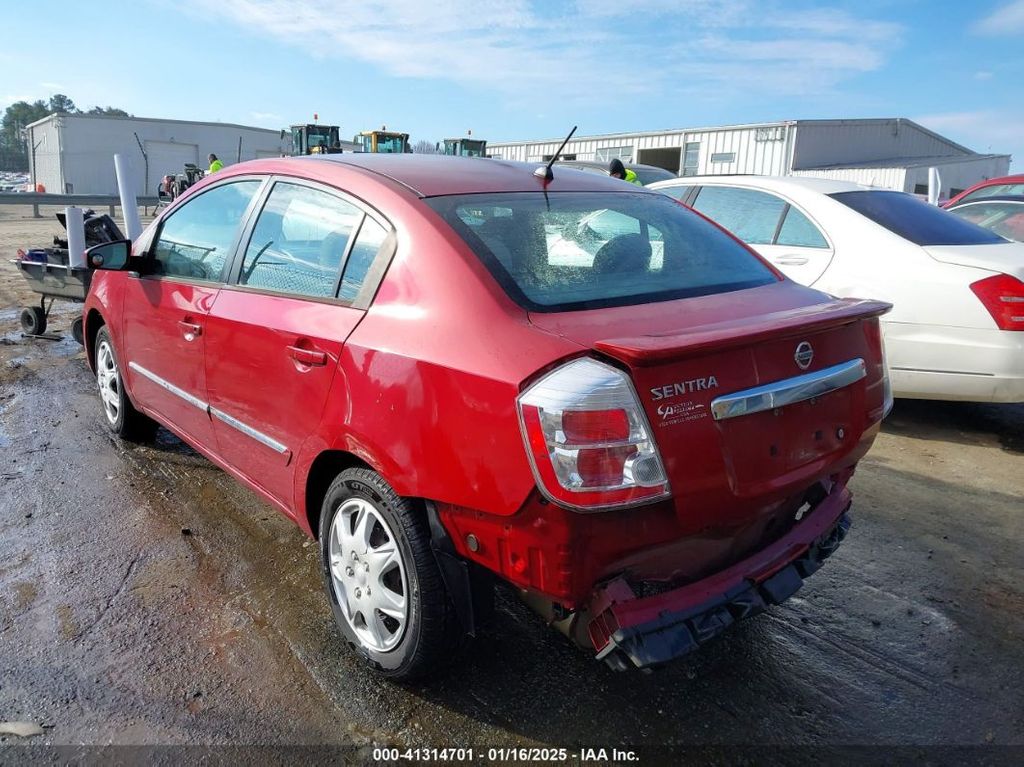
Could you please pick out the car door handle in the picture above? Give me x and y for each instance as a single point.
(190, 329)
(792, 260)
(307, 356)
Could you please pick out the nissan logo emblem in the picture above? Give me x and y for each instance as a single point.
(803, 355)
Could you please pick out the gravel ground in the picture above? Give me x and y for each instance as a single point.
(146, 598)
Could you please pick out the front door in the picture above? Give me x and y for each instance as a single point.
(276, 332)
(163, 321)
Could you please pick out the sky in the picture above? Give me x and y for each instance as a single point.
(530, 69)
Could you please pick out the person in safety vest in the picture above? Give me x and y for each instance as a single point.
(215, 164)
(617, 170)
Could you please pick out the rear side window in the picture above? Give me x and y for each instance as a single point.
(364, 251)
(751, 215)
(798, 231)
(1004, 218)
(196, 239)
(915, 220)
(582, 250)
(299, 242)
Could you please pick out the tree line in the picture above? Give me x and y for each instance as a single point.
(14, 152)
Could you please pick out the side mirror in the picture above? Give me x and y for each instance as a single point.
(109, 255)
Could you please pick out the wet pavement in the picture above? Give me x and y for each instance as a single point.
(145, 597)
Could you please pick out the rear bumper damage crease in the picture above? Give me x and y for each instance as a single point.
(628, 631)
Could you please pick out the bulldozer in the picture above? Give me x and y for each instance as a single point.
(465, 147)
(382, 141)
(313, 138)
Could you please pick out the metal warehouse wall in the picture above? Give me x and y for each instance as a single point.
(955, 175)
(88, 145)
(837, 142)
(762, 149)
(44, 162)
(884, 178)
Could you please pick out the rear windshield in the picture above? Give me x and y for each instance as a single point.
(584, 250)
(915, 220)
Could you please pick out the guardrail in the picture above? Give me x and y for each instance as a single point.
(36, 199)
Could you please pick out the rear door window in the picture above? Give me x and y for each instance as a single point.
(196, 239)
(798, 231)
(299, 242)
(915, 220)
(751, 215)
(577, 250)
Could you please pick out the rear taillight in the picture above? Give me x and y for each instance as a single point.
(1003, 296)
(589, 442)
(873, 330)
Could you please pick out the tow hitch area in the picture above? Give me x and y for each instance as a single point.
(631, 632)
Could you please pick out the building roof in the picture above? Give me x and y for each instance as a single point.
(148, 119)
(910, 162)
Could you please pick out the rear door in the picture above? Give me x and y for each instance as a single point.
(163, 319)
(779, 231)
(276, 332)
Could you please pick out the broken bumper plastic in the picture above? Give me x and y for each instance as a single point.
(629, 631)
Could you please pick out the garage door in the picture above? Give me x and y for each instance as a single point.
(166, 158)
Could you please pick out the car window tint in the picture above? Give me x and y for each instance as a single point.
(650, 175)
(798, 231)
(299, 241)
(367, 244)
(195, 239)
(581, 250)
(751, 215)
(914, 219)
(996, 190)
(1004, 218)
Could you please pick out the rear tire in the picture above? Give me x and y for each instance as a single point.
(120, 415)
(76, 331)
(33, 320)
(383, 582)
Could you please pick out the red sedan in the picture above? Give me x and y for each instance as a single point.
(446, 372)
(990, 187)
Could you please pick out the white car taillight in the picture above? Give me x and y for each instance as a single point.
(588, 439)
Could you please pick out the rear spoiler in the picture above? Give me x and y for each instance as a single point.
(652, 350)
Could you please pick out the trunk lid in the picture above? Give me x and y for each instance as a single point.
(1007, 257)
(731, 476)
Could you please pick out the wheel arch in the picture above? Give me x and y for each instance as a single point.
(93, 322)
(322, 471)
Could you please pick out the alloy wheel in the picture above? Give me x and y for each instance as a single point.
(109, 380)
(368, 575)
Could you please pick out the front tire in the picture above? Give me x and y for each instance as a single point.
(385, 588)
(121, 416)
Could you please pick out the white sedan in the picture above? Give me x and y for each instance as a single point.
(956, 331)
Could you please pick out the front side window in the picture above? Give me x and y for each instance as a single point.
(579, 250)
(751, 215)
(196, 239)
(676, 192)
(915, 220)
(299, 242)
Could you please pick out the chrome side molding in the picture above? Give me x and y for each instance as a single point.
(788, 391)
(231, 421)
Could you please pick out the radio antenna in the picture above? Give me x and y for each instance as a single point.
(545, 172)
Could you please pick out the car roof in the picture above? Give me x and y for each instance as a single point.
(436, 175)
(770, 183)
(1014, 179)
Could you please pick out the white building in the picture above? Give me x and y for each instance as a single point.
(74, 154)
(894, 153)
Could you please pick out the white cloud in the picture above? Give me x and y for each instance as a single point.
(265, 116)
(1005, 20)
(585, 51)
(53, 86)
(988, 130)
(982, 75)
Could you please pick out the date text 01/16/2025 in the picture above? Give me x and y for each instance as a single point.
(504, 754)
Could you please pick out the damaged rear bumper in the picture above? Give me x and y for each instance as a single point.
(630, 631)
